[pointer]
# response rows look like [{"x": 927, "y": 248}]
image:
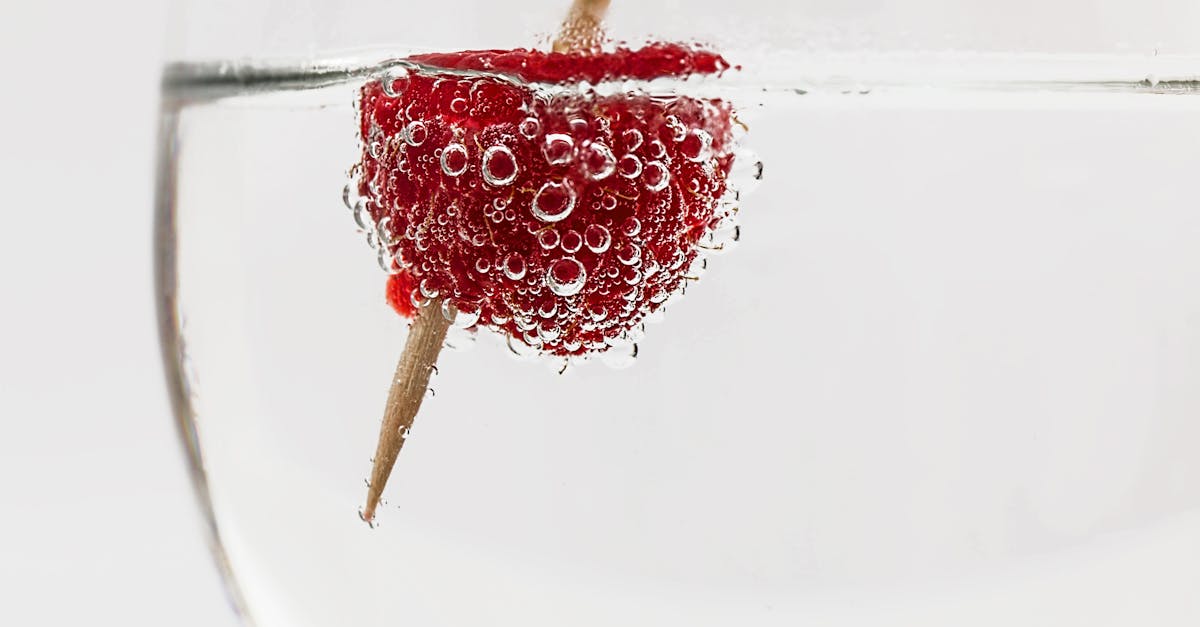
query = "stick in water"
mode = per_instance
[
  {"x": 581, "y": 31},
  {"x": 425, "y": 338}
]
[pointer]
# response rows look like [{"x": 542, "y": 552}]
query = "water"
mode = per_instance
[{"x": 947, "y": 376}]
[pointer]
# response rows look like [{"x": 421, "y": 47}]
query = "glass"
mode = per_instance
[{"x": 947, "y": 377}]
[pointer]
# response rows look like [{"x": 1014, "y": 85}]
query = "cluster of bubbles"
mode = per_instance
[{"x": 630, "y": 156}]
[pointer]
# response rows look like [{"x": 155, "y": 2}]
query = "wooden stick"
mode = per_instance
[
  {"x": 583, "y": 29},
  {"x": 425, "y": 338}
]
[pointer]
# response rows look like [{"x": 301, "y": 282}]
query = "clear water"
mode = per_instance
[{"x": 949, "y": 376}]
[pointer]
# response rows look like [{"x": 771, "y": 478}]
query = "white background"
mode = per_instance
[
  {"x": 97, "y": 525},
  {"x": 96, "y": 519}
]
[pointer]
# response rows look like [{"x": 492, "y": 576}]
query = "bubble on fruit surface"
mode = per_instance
[
  {"x": 386, "y": 261},
  {"x": 632, "y": 276},
  {"x": 427, "y": 289},
  {"x": 454, "y": 159},
  {"x": 458, "y": 105},
  {"x": 578, "y": 126},
  {"x": 362, "y": 215},
  {"x": 656, "y": 176},
  {"x": 520, "y": 348},
  {"x": 657, "y": 149},
  {"x": 548, "y": 309},
  {"x": 597, "y": 238},
  {"x": 557, "y": 148},
  {"x": 598, "y": 161},
  {"x": 461, "y": 314},
  {"x": 566, "y": 276},
  {"x": 482, "y": 266},
  {"x": 620, "y": 355},
  {"x": 548, "y": 332},
  {"x": 629, "y": 254},
  {"x": 631, "y": 226},
  {"x": 514, "y": 267},
  {"x": 548, "y": 239},
  {"x": 553, "y": 202},
  {"x": 383, "y": 231},
  {"x": 415, "y": 133},
  {"x": 393, "y": 81},
  {"x": 571, "y": 242},
  {"x": 631, "y": 140},
  {"x": 499, "y": 166},
  {"x": 629, "y": 166},
  {"x": 608, "y": 202},
  {"x": 529, "y": 128},
  {"x": 696, "y": 145},
  {"x": 678, "y": 128},
  {"x": 350, "y": 195}
]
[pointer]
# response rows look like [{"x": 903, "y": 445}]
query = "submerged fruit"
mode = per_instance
[{"x": 562, "y": 215}]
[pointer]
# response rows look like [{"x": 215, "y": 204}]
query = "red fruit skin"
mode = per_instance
[
  {"x": 455, "y": 233},
  {"x": 399, "y": 291},
  {"x": 656, "y": 60}
]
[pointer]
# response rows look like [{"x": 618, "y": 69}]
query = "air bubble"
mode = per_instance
[
  {"x": 656, "y": 176},
  {"x": 362, "y": 215},
  {"x": 629, "y": 166},
  {"x": 389, "y": 82},
  {"x": 565, "y": 277},
  {"x": 482, "y": 266},
  {"x": 553, "y": 202},
  {"x": 499, "y": 166},
  {"x": 548, "y": 333},
  {"x": 598, "y": 160},
  {"x": 428, "y": 290},
  {"x": 386, "y": 261},
  {"x": 514, "y": 267},
  {"x": 458, "y": 105},
  {"x": 529, "y": 128},
  {"x": 548, "y": 239},
  {"x": 608, "y": 202},
  {"x": 657, "y": 149},
  {"x": 572, "y": 241},
  {"x": 415, "y": 133},
  {"x": 631, "y": 140},
  {"x": 454, "y": 159},
  {"x": 696, "y": 146},
  {"x": 557, "y": 148},
  {"x": 632, "y": 226},
  {"x": 597, "y": 238},
  {"x": 678, "y": 129},
  {"x": 520, "y": 348},
  {"x": 350, "y": 195},
  {"x": 629, "y": 254}
]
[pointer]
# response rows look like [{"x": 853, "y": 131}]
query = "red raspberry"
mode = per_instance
[{"x": 558, "y": 215}]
